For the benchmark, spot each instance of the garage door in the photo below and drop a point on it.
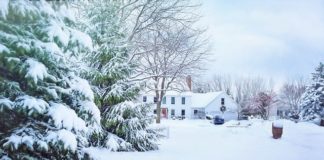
(230, 116)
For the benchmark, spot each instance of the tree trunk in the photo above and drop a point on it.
(158, 112)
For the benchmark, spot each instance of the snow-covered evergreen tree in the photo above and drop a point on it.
(131, 121)
(312, 104)
(109, 62)
(110, 75)
(46, 110)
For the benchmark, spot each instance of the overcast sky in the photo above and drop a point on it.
(273, 38)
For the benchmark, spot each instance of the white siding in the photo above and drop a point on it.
(212, 108)
(178, 106)
(231, 112)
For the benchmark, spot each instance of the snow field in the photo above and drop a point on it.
(250, 140)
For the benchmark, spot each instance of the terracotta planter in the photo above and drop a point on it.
(276, 132)
(322, 122)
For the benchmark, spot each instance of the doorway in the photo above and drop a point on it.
(183, 113)
(164, 113)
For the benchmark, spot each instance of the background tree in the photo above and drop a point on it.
(291, 95)
(141, 16)
(262, 104)
(171, 54)
(247, 89)
(46, 109)
(242, 89)
(150, 23)
(222, 83)
(312, 105)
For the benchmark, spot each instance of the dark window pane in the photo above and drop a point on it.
(155, 99)
(144, 98)
(183, 100)
(223, 101)
(183, 112)
(164, 100)
(172, 112)
(172, 100)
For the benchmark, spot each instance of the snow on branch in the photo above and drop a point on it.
(91, 108)
(66, 137)
(56, 31)
(81, 86)
(81, 38)
(31, 104)
(64, 117)
(5, 103)
(14, 141)
(114, 143)
(3, 48)
(36, 70)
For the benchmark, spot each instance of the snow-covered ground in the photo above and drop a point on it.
(252, 140)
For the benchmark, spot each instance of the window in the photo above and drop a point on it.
(164, 100)
(223, 101)
(183, 100)
(154, 111)
(172, 112)
(144, 98)
(183, 112)
(172, 100)
(155, 99)
(195, 112)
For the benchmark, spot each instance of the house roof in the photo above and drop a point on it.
(201, 100)
(176, 93)
(168, 93)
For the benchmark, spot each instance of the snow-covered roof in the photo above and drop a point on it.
(176, 93)
(201, 100)
(168, 93)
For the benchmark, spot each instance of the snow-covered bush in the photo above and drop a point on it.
(312, 104)
(46, 110)
(130, 121)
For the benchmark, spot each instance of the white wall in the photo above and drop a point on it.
(231, 112)
(178, 106)
(212, 108)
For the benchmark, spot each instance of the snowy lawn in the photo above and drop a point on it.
(201, 140)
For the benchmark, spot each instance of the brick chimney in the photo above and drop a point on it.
(189, 82)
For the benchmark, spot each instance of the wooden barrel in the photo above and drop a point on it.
(322, 122)
(276, 132)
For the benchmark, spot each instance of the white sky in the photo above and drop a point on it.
(271, 38)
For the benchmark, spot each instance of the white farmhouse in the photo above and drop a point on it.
(195, 105)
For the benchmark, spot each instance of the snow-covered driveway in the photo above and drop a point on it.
(201, 140)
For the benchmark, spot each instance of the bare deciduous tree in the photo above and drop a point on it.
(163, 41)
(222, 83)
(242, 89)
(263, 102)
(141, 16)
(171, 52)
(245, 89)
(291, 93)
